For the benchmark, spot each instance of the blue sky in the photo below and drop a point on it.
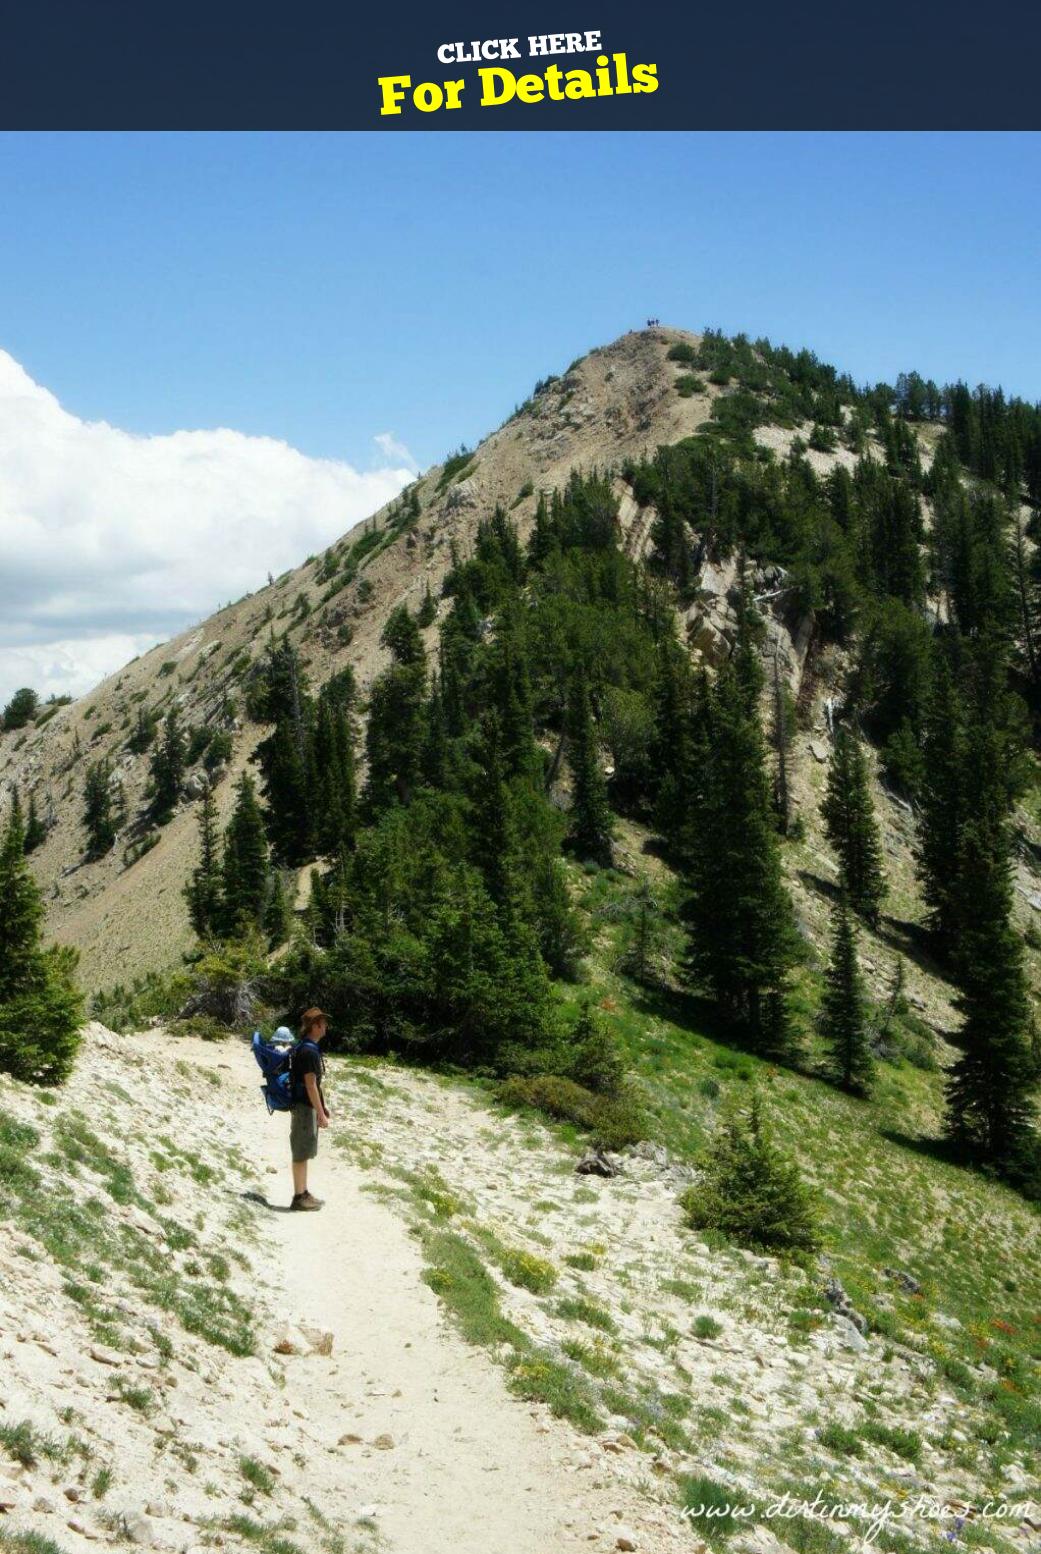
(353, 305)
(323, 289)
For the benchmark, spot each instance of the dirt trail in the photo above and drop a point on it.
(470, 1468)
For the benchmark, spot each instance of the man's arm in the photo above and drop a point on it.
(315, 1098)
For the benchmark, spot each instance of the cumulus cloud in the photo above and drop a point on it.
(111, 542)
(391, 448)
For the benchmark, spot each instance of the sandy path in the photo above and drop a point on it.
(471, 1468)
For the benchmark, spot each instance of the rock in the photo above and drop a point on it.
(384, 1442)
(838, 1298)
(72, 1494)
(44, 1506)
(906, 1281)
(289, 1341)
(596, 1163)
(625, 1539)
(139, 1529)
(849, 1335)
(818, 750)
(350, 1439)
(105, 1356)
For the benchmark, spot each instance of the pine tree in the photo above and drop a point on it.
(991, 1086)
(35, 829)
(204, 891)
(591, 825)
(333, 765)
(395, 736)
(22, 918)
(168, 765)
(943, 808)
(851, 827)
(843, 1015)
(741, 933)
(98, 817)
(277, 915)
(781, 742)
(426, 615)
(40, 1009)
(751, 1191)
(401, 636)
(245, 870)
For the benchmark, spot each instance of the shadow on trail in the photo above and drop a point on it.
(265, 1203)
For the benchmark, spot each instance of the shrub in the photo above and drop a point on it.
(528, 1271)
(750, 1191)
(842, 1441)
(613, 1121)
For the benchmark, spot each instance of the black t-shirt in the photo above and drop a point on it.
(306, 1059)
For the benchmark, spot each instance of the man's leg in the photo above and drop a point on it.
(299, 1177)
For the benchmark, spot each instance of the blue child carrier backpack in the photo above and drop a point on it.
(274, 1059)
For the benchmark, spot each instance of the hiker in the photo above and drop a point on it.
(309, 1111)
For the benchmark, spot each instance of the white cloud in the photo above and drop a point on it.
(111, 542)
(391, 448)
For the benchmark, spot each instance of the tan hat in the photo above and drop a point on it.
(311, 1018)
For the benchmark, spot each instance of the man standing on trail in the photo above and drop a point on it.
(309, 1111)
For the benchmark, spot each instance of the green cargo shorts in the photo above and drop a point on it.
(303, 1132)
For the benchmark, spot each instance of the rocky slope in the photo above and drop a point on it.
(127, 917)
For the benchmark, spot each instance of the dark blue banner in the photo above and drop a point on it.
(226, 64)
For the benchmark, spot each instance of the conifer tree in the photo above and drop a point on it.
(395, 736)
(781, 742)
(334, 767)
(40, 1009)
(591, 826)
(943, 807)
(245, 870)
(851, 827)
(204, 891)
(543, 535)
(168, 765)
(741, 934)
(276, 917)
(98, 817)
(991, 1086)
(401, 636)
(427, 612)
(843, 1014)
(35, 830)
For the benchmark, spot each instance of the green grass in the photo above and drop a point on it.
(457, 1275)
(841, 1441)
(27, 1446)
(27, 1543)
(705, 1326)
(540, 1378)
(101, 1483)
(269, 1540)
(709, 1508)
(578, 1308)
(257, 1475)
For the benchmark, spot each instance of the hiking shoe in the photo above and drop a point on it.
(305, 1200)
